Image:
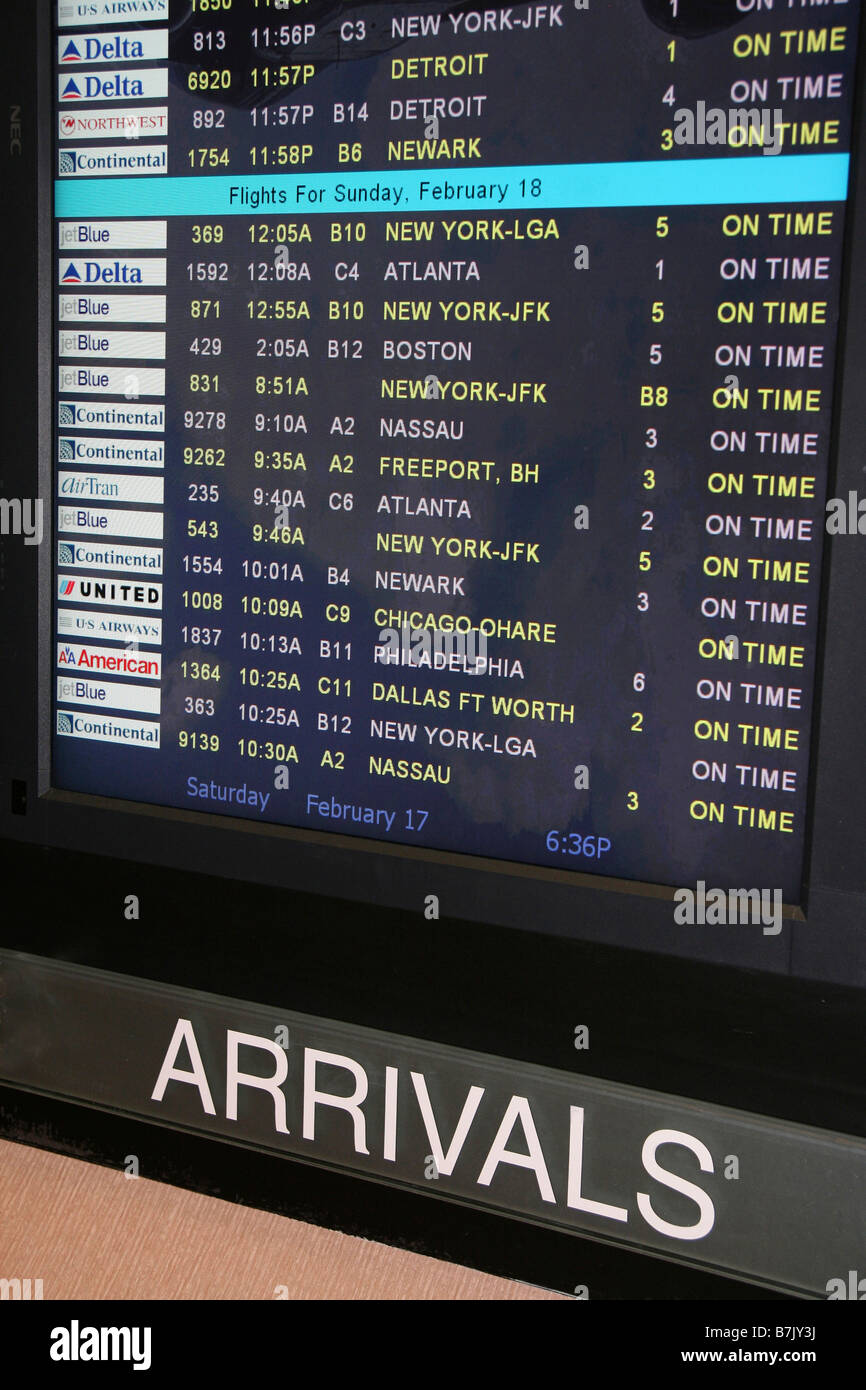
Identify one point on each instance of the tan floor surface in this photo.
(90, 1232)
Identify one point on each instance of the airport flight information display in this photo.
(443, 419)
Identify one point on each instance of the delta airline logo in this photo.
(77, 13)
(111, 86)
(113, 48)
(146, 271)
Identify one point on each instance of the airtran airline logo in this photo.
(77, 13)
(113, 48)
(111, 86)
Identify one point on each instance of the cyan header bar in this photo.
(810, 178)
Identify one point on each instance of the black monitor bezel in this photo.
(336, 927)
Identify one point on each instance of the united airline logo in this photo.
(114, 593)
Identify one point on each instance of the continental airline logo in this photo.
(107, 728)
(108, 160)
(111, 415)
(72, 656)
(112, 86)
(109, 627)
(112, 48)
(78, 13)
(95, 555)
(112, 593)
(128, 453)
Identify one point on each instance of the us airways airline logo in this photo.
(76, 13)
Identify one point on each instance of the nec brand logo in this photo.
(15, 130)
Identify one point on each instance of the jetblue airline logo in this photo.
(111, 86)
(113, 48)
